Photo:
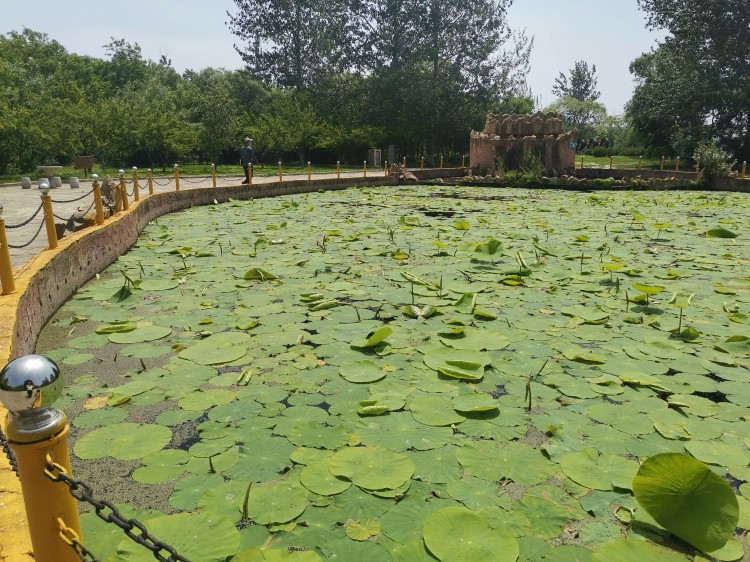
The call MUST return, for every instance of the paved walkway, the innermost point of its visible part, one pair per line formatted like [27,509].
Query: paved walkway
[20,204]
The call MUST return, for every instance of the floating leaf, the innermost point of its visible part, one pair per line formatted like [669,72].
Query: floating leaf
[374,338]
[371,467]
[720,232]
[259,274]
[685,497]
[125,441]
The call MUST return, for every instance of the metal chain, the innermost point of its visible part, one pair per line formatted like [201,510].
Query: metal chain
[24,223]
[8,452]
[73,540]
[193,180]
[83,493]
[41,224]
[166,183]
[130,193]
[74,200]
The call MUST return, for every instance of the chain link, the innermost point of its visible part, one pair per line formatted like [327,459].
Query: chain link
[24,223]
[107,512]
[73,540]
[164,183]
[74,200]
[22,246]
[8,452]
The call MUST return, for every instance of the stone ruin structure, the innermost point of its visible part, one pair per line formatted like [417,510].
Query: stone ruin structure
[508,139]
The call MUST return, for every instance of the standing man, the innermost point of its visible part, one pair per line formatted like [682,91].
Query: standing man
[247,158]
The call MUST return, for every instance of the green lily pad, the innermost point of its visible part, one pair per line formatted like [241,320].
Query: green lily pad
[372,468]
[635,550]
[362,371]
[218,349]
[276,503]
[374,338]
[125,441]
[685,497]
[141,334]
[457,534]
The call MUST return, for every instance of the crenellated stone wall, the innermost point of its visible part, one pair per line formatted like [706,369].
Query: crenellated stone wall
[508,139]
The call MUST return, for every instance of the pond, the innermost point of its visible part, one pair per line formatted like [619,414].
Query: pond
[411,373]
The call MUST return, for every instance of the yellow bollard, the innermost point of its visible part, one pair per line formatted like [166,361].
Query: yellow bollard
[677,164]
[136,187]
[6,269]
[176,177]
[441,162]
[661,167]
[150,181]
[743,174]
[610,162]
[124,192]
[338,169]
[581,168]
[213,174]
[281,174]
[698,166]
[309,171]
[421,164]
[463,161]
[385,168]
[640,162]
[98,201]
[37,434]
[49,217]
[404,162]
[250,174]
[364,169]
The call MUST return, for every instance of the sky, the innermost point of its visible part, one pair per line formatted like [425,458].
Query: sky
[193,34]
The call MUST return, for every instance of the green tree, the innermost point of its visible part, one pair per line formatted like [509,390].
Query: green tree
[583,115]
[580,84]
[709,40]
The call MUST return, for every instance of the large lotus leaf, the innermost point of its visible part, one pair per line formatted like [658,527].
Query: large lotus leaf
[399,431]
[141,334]
[125,441]
[189,490]
[362,371]
[276,503]
[477,339]
[318,479]
[414,551]
[493,461]
[434,410]
[685,497]
[96,418]
[374,338]
[318,434]
[547,518]
[286,555]
[456,534]
[196,536]
[161,466]
[600,472]
[635,550]
[588,314]
[475,402]
[437,466]
[218,349]
[372,468]
[716,452]
[158,284]
[261,458]
[720,232]
[200,400]
[355,550]
[476,493]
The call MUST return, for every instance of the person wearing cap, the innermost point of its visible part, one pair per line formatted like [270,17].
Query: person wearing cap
[247,158]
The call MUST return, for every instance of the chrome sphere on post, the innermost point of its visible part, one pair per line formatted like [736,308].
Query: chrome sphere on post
[29,386]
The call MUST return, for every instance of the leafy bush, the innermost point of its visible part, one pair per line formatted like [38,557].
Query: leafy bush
[532,166]
[714,161]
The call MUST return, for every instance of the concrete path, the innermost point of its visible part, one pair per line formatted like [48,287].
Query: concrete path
[20,204]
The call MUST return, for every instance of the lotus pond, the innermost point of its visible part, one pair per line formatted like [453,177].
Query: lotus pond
[416,373]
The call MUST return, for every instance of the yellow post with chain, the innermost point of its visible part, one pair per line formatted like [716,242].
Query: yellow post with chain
[677,164]
[364,169]
[250,173]
[213,175]
[136,187]
[441,162]
[37,434]
[281,173]
[309,171]
[176,177]
[743,174]
[698,166]
[463,161]
[421,164]
[98,200]
[385,168]
[124,191]
[640,162]
[49,217]
[610,162]
[150,181]
[7,282]
[661,167]
[338,169]
[581,168]
[404,162]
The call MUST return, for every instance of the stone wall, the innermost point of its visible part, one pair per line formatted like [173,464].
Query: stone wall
[508,139]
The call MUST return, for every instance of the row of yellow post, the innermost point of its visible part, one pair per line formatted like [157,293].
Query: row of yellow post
[742,173]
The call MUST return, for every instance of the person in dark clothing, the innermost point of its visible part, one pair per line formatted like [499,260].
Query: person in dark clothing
[247,158]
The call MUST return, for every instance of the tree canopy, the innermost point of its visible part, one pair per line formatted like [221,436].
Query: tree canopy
[696,84]
[580,84]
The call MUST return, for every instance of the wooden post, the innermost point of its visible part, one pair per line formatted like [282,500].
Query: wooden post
[176,177]
[213,174]
[338,169]
[281,173]
[309,171]
[136,187]
[364,169]
[6,270]
[150,181]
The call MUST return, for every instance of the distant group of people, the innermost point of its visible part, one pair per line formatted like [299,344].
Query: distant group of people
[583,144]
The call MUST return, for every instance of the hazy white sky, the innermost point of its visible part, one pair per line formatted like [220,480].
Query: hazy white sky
[193,33]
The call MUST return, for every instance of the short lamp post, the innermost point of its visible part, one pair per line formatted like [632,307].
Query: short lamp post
[123,191]
[98,199]
[7,282]
[37,432]
[49,217]
[136,187]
